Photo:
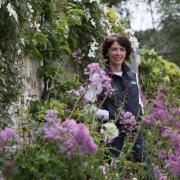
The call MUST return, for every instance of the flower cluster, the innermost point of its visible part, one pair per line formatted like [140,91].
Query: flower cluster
[5,135]
[51,115]
[99,82]
[77,55]
[77,92]
[109,131]
[11,11]
[71,137]
[173,161]
[157,172]
[127,122]
[93,45]
[159,110]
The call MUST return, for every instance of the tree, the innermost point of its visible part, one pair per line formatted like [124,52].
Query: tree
[166,38]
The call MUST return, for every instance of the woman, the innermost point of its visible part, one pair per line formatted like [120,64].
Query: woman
[117,49]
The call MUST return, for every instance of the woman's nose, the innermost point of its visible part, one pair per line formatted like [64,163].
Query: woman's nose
[118,52]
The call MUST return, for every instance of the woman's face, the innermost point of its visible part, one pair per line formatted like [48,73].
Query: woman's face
[116,54]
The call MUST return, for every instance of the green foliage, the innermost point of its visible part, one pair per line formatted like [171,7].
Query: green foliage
[154,70]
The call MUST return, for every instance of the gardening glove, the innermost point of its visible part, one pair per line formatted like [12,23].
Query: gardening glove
[101,114]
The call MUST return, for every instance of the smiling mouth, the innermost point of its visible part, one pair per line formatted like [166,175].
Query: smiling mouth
[118,57]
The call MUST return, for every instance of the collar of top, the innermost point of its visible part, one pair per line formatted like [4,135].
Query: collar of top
[125,69]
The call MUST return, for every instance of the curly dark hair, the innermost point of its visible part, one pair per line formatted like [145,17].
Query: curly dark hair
[122,40]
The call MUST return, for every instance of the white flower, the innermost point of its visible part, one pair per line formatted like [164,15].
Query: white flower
[106,24]
[11,11]
[104,8]
[93,48]
[129,31]
[92,92]
[1,2]
[19,51]
[87,13]
[94,1]
[109,131]
[134,178]
[30,8]
[91,54]
[37,26]
[22,41]
[77,0]
[93,22]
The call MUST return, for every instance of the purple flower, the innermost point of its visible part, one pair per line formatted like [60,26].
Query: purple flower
[5,135]
[99,81]
[71,137]
[127,122]
[162,155]
[157,173]
[174,164]
[78,55]
[51,114]
[178,124]
[92,68]
[160,111]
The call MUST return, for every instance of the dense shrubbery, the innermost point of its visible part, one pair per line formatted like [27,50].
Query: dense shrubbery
[154,70]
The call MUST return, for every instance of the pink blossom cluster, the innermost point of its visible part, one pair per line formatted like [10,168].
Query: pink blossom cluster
[159,110]
[127,122]
[77,92]
[72,137]
[157,173]
[78,55]
[99,78]
[173,161]
[51,115]
[5,135]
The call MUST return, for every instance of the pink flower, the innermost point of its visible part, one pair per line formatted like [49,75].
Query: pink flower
[104,169]
[174,164]
[157,173]
[5,135]
[99,81]
[127,122]
[71,137]
[51,114]
[78,55]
